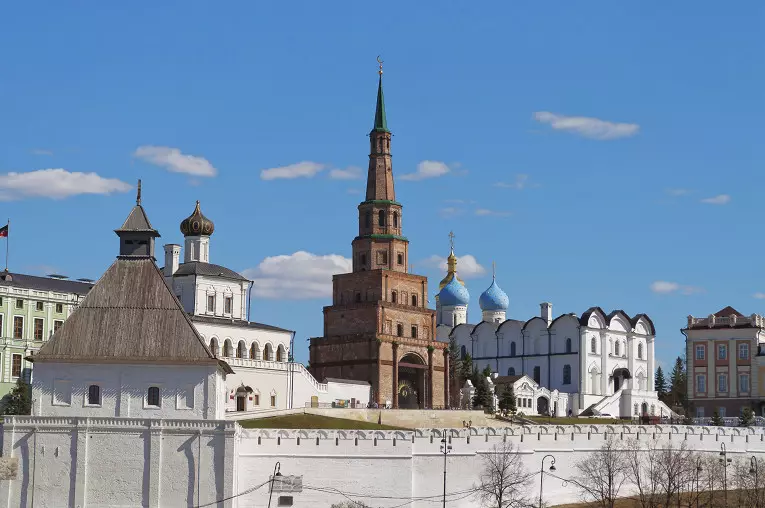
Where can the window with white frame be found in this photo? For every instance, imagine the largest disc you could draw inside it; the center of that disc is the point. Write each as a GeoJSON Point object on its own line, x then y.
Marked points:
{"type": "Point", "coordinates": [228, 304]}
{"type": "Point", "coordinates": [593, 345]}
{"type": "Point", "coordinates": [616, 348]}
{"type": "Point", "coordinates": [722, 352]}
{"type": "Point", "coordinates": [210, 303]}
{"type": "Point", "coordinates": [152, 396]}
{"type": "Point", "coordinates": [701, 352]}
{"type": "Point", "coordinates": [743, 383]}
{"type": "Point", "coordinates": [94, 395]}
{"type": "Point", "coordinates": [743, 351]}
{"type": "Point", "coordinates": [722, 383]}
{"type": "Point", "coordinates": [701, 383]}
{"type": "Point", "coordinates": [640, 351]}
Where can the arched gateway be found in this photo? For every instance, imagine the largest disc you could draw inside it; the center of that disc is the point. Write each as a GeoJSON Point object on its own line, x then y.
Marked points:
{"type": "Point", "coordinates": [412, 382]}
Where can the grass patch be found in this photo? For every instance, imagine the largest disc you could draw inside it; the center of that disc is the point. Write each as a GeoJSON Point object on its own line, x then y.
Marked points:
{"type": "Point", "coordinates": [578, 421]}
{"type": "Point", "coordinates": [308, 421]}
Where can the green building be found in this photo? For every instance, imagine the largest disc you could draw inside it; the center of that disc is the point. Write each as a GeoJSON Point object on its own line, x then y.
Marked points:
{"type": "Point", "coordinates": [31, 309]}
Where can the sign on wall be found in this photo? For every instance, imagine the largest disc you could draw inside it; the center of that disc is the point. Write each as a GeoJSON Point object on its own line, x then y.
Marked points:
{"type": "Point", "coordinates": [287, 483]}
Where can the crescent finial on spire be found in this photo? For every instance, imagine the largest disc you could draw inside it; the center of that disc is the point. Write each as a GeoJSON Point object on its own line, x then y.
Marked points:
{"type": "Point", "coordinates": [380, 62]}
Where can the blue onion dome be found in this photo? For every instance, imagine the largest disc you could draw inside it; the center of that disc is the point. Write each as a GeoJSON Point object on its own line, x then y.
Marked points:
{"type": "Point", "coordinates": [453, 293]}
{"type": "Point", "coordinates": [494, 298]}
{"type": "Point", "coordinates": [197, 224]}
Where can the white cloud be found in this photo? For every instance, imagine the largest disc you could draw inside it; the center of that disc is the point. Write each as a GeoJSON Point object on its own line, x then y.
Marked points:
{"type": "Point", "coordinates": [592, 128]}
{"type": "Point", "coordinates": [427, 169]}
{"type": "Point", "coordinates": [297, 276]}
{"type": "Point", "coordinates": [468, 266]}
{"type": "Point", "coordinates": [354, 192]}
{"type": "Point", "coordinates": [759, 296]}
{"type": "Point", "coordinates": [520, 183]}
{"type": "Point", "coordinates": [56, 184]}
{"type": "Point", "coordinates": [459, 201]}
{"type": "Point", "coordinates": [485, 212]}
{"type": "Point", "coordinates": [720, 199]}
{"type": "Point", "coordinates": [678, 192]}
{"type": "Point", "coordinates": [664, 287]}
{"type": "Point", "coordinates": [174, 161]}
{"type": "Point", "coordinates": [450, 211]}
{"type": "Point", "coordinates": [350, 173]}
{"type": "Point", "coordinates": [40, 151]}
{"type": "Point", "coordinates": [305, 169]}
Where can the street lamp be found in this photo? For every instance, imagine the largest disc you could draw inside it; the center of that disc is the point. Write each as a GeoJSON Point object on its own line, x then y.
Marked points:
{"type": "Point", "coordinates": [277, 472]}
{"type": "Point", "coordinates": [542, 475]}
{"type": "Point", "coordinates": [446, 448]}
{"type": "Point", "coordinates": [698, 473]}
{"type": "Point", "coordinates": [725, 461]}
{"type": "Point", "coordinates": [753, 470]}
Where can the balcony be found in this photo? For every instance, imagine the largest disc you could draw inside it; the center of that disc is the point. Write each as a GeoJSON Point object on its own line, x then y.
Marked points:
{"type": "Point", "coordinates": [755, 321]}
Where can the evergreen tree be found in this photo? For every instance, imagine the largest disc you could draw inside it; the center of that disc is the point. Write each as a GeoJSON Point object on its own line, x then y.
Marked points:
{"type": "Point", "coordinates": [507, 400]}
{"type": "Point", "coordinates": [717, 419]}
{"type": "Point", "coordinates": [660, 384]}
{"type": "Point", "coordinates": [466, 369]}
{"type": "Point", "coordinates": [747, 418]}
{"type": "Point", "coordinates": [677, 390]}
{"type": "Point", "coordinates": [486, 372]}
{"type": "Point", "coordinates": [483, 397]}
{"type": "Point", "coordinates": [454, 371]}
{"type": "Point", "coordinates": [19, 401]}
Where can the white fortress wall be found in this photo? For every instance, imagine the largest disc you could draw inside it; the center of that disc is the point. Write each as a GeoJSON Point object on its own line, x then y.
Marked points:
{"type": "Point", "coordinates": [389, 463]}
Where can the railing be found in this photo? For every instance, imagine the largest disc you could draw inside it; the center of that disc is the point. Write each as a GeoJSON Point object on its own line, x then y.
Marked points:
{"type": "Point", "coordinates": [759, 421]}
{"type": "Point", "coordinates": [374, 405]}
{"type": "Point", "coordinates": [711, 321]}
{"type": "Point", "coordinates": [284, 366]}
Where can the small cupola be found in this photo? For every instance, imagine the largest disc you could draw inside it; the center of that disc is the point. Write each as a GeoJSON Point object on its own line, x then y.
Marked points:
{"type": "Point", "coordinates": [136, 233]}
{"type": "Point", "coordinates": [197, 224]}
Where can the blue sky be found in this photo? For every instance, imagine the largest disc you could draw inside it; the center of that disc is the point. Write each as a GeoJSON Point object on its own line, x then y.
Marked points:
{"type": "Point", "coordinates": [626, 138]}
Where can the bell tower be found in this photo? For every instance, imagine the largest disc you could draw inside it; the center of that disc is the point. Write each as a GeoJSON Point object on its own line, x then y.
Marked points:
{"type": "Point", "coordinates": [380, 244]}
{"type": "Point", "coordinates": [379, 328]}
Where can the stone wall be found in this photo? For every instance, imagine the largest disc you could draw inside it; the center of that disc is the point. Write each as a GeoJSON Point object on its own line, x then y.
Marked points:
{"type": "Point", "coordinates": [118, 462]}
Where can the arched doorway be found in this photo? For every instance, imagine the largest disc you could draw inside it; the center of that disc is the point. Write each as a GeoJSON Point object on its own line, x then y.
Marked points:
{"type": "Point", "coordinates": [620, 375]}
{"type": "Point", "coordinates": [543, 406]}
{"type": "Point", "coordinates": [644, 408]}
{"type": "Point", "coordinates": [412, 385]}
{"type": "Point", "coordinates": [242, 393]}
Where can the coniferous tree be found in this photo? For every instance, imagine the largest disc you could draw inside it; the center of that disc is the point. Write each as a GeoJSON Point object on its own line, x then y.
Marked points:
{"type": "Point", "coordinates": [747, 418]}
{"type": "Point", "coordinates": [19, 401]}
{"type": "Point", "coordinates": [486, 372]}
{"type": "Point", "coordinates": [483, 396]}
{"type": "Point", "coordinates": [717, 419]}
{"type": "Point", "coordinates": [677, 390]}
{"type": "Point", "coordinates": [466, 369]}
{"type": "Point", "coordinates": [454, 371]}
{"type": "Point", "coordinates": [507, 400]}
{"type": "Point", "coordinates": [660, 384]}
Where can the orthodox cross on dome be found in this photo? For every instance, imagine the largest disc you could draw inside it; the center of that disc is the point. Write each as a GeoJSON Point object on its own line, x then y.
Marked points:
{"type": "Point", "coordinates": [138, 193]}
{"type": "Point", "coordinates": [493, 269]}
{"type": "Point", "coordinates": [451, 241]}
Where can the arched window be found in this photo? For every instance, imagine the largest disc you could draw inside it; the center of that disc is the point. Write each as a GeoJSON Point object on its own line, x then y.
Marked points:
{"type": "Point", "coordinates": [414, 300]}
{"type": "Point", "coordinates": [280, 353]}
{"type": "Point", "coordinates": [616, 348]}
{"type": "Point", "coordinates": [394, 296]}
{"type": "Point", "coordinates": [227, 348]}
{"type": "Point", "coordinates": [94, 395]}
{"type": "Point", "coordinates": [152, 396]}
{"type": "Point", "coordinates": [241, 350]}
{"type": "Point", "coordinates": [537, 375]}
{"type": "Point", "coordinates": [268, 353]}
{"type": "Point", "coordinates": [368, 220]}
{"type": "Point", "coordinates": [381, 218]}
{"type": "Point", "coordinates": [568, 345]}
{"type": "Point", "coordinates": [567, 374]}
{"type": "Point", "coordinates": [593, 345]}
{"type": "Point", "coordinates": [254, 351]}
{"type": "Point", "coordinates": [511, 371]}
{"type": "Point", "coordinates": [512, 349]}
{"type": "Point", "coordinates": [395, 219]}
{"type": "Point", "coordinates": [463, 352]}
{"type": "Point", "coordinates": [400, 330]}
{"type": "Point", "coordinates": [640, 351]}
{"type": "Point", "coordinates": [214, 347]}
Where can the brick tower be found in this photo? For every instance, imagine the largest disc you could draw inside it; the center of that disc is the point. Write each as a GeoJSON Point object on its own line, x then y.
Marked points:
{"type": "Point", "coordinates": [378, 328]}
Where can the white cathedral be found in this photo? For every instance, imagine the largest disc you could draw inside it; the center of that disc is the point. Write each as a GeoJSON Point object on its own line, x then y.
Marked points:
{"type": "Point", "coordinates": [593, 364]}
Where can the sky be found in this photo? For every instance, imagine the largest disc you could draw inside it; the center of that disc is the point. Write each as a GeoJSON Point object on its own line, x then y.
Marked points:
{"type": "Point", "coordinates": [601, 153]}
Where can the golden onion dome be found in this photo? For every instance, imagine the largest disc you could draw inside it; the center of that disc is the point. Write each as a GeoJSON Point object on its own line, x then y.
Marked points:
{"type": "Point", "coordinates": [197, 224]}
{"type": "Point", "coordinates": [451, 267]}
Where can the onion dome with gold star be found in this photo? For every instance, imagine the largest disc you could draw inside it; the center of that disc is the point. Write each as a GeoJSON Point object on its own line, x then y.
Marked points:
{"type": "Point", "coordinates": [197, 224]}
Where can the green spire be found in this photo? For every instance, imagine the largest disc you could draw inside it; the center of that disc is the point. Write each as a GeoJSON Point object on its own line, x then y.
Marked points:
{"type": "Point", "coordinates": [381, 124]}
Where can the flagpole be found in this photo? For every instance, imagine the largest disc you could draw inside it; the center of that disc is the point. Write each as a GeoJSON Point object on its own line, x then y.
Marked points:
{"type": "Point", "coordinates": [7, 241]}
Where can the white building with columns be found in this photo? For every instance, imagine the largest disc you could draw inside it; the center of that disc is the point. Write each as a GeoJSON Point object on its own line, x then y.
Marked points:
{"type": "Point", "coordinates": [604, 361]}
{"type": "Point", "coordinates": [216, 299]}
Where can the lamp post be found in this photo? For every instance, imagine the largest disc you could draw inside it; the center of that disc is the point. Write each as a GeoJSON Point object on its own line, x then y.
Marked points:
{"type": "Point", "coordinates": [277, 472]}
{"type": "Point", "coordinates": [446, 448]}
{"type": "Point", "coordinates": [753, 470]}
{"type": "Point", "coordinates": [725, 461]}
{"type": "Point", "coordinates": [542, 475]}
{"type": "Point", "coordinates": [698, 473]}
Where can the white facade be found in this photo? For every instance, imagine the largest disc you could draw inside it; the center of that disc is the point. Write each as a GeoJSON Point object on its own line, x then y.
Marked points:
{"type": "Point", "coordinates": [122, 391]}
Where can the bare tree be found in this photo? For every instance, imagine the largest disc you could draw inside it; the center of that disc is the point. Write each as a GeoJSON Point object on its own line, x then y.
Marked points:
{"type": "Point", "coordinates": [504, 480]}
{"type": "Point", "coordinates": [676, 471]}
{"type": "Point", "coordinates": [749, 480]}
{"type": "Point", "coordinates": [602, 474]}
{"type": "Point", "coordinates": [643, 470]}
{"type": "Point", "coordinates": [711, 480]}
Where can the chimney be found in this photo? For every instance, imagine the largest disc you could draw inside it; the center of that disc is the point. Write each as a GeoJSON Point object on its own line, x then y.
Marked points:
{"type": "Point", "coordinates": [546, 312]}
{"type": "Point", "coordinates": [172, 258]}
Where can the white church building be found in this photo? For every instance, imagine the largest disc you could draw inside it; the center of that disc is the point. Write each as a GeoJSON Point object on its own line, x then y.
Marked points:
{"type": "Point", "coordinates": [217, 299]}
{"type": "Point", "coordinates": [604, 362]}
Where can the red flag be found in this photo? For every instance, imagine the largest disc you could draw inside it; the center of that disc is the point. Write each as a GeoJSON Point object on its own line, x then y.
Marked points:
{"type": "Point", "coordinates": [4, 231]}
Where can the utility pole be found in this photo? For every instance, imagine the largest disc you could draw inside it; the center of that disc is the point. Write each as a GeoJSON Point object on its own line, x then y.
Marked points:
{"type": "Point", "coordinates": [446, 448]}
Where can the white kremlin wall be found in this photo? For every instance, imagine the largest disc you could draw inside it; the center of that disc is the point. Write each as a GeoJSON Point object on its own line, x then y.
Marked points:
{"type": "Point", "coordinates": [89, 462]}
